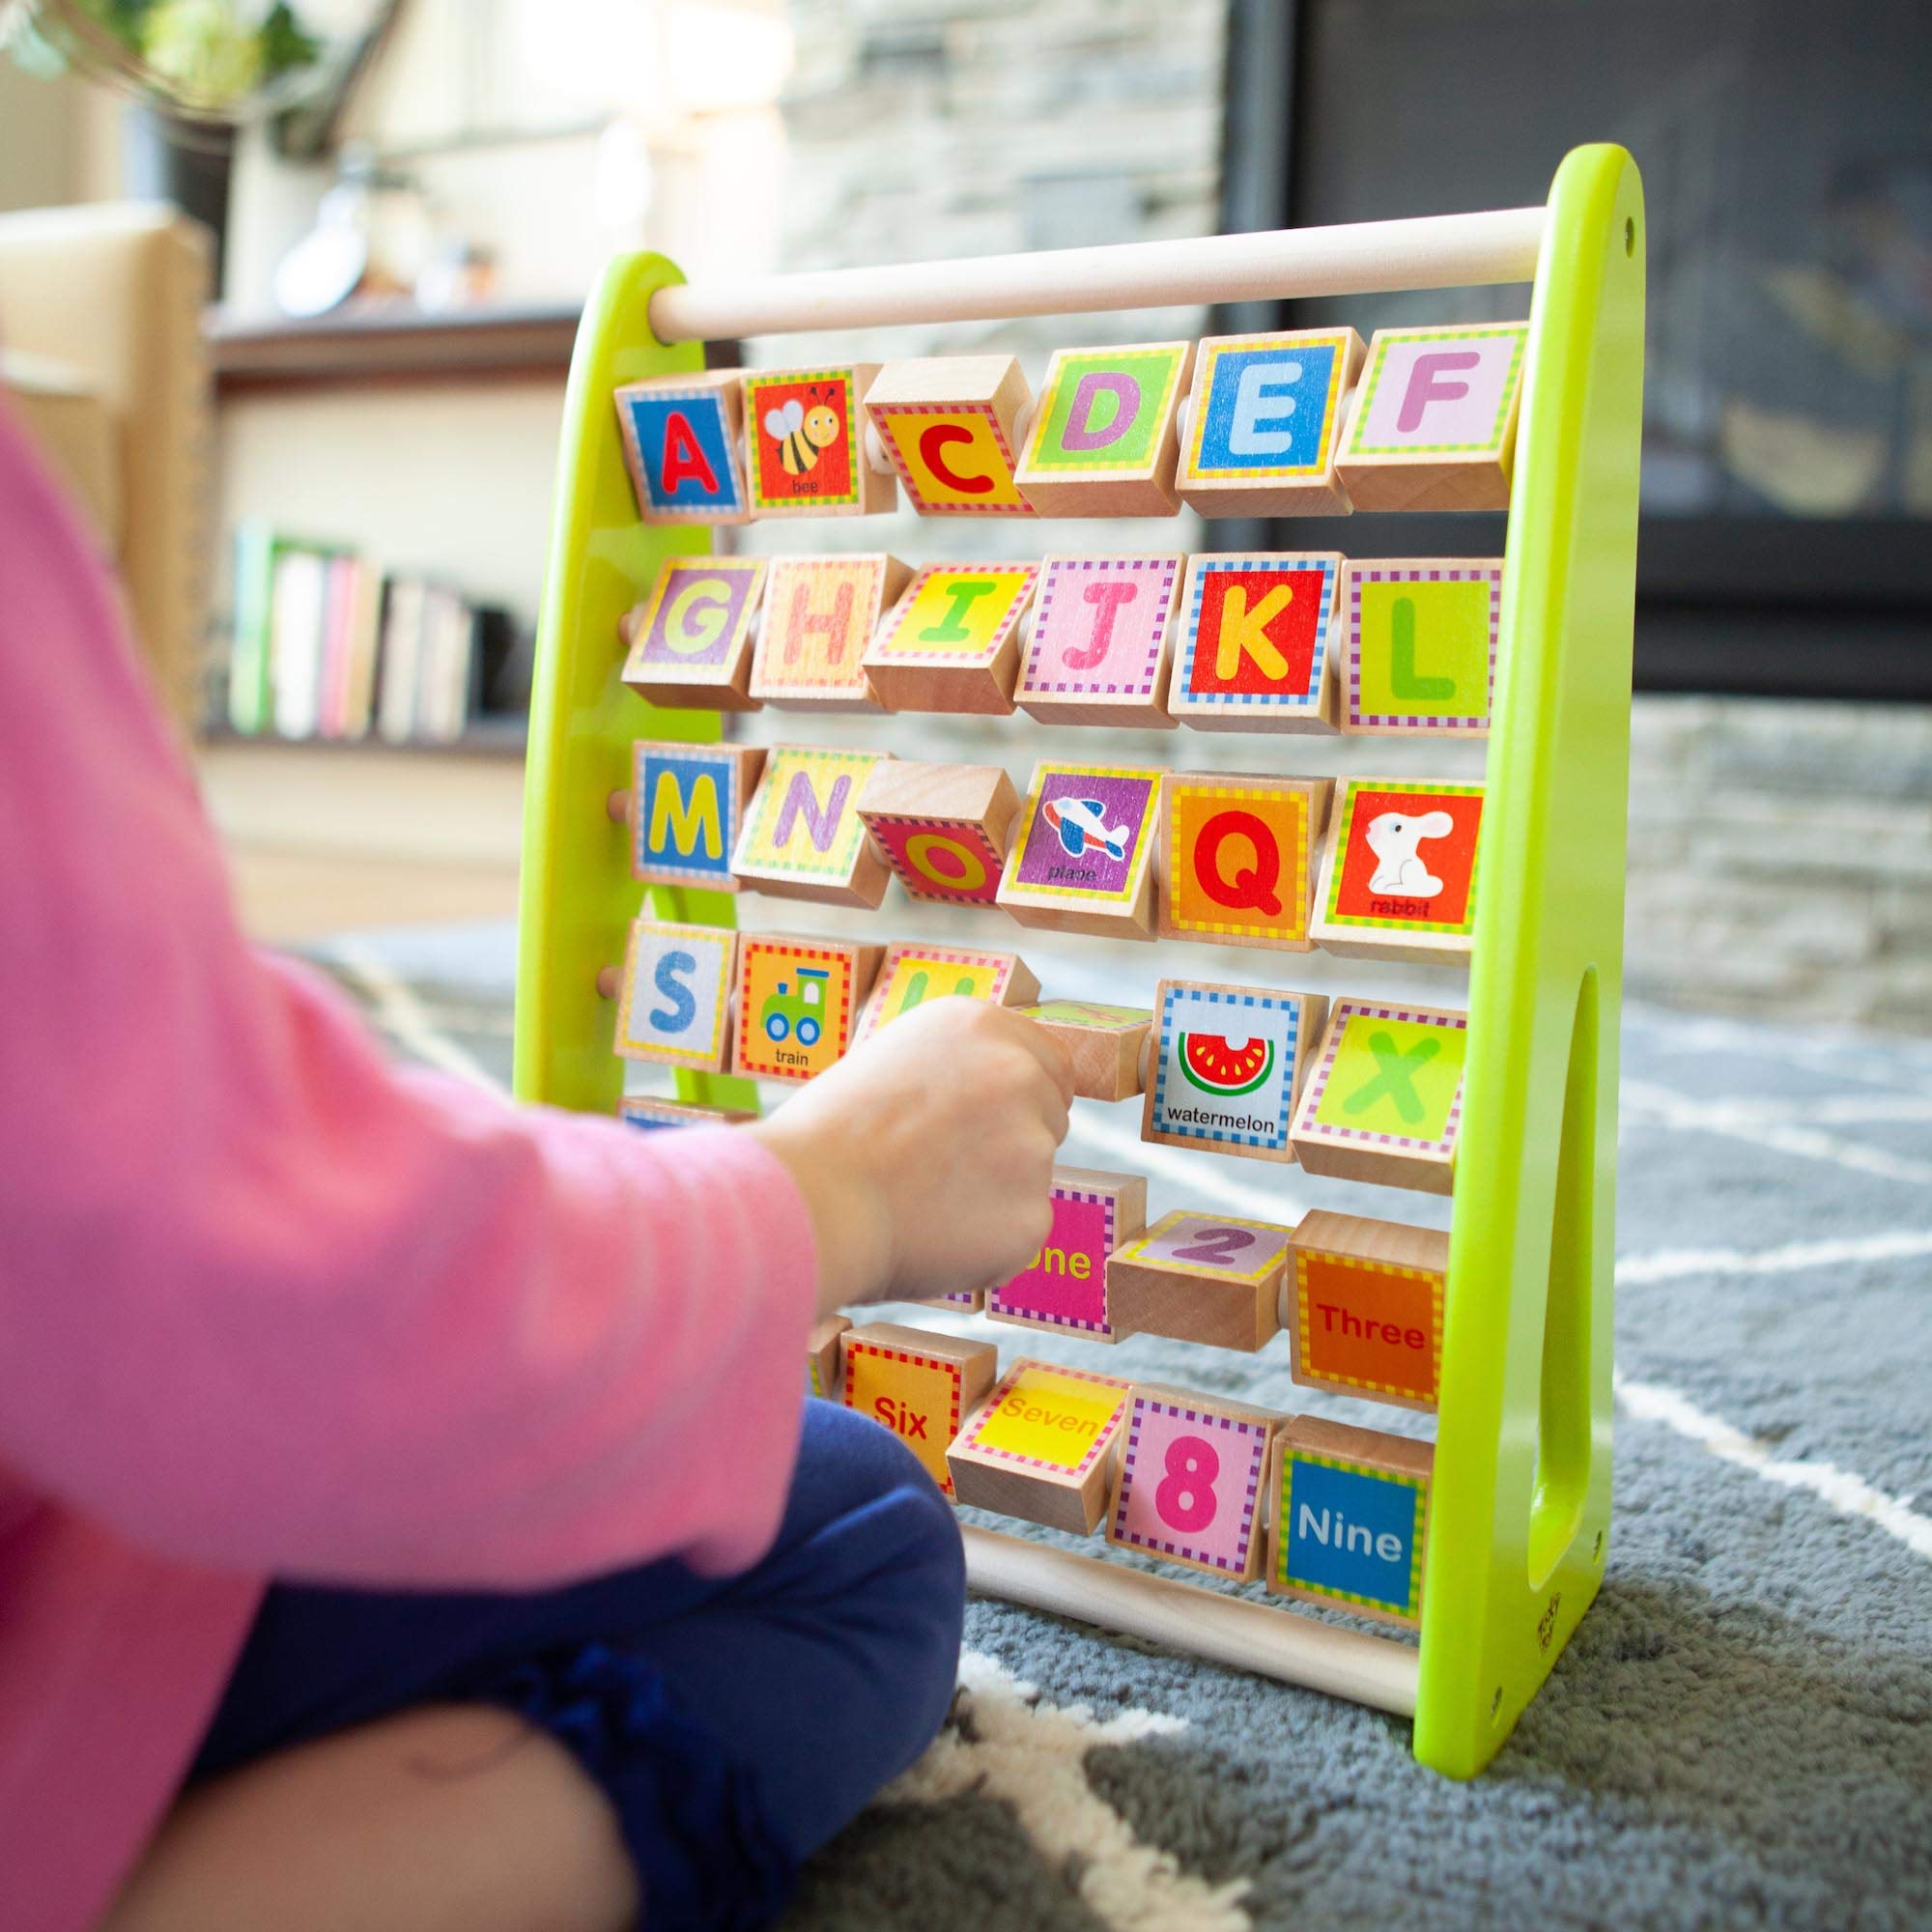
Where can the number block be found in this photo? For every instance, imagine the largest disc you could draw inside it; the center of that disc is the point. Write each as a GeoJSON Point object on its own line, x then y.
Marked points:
{"type": "Point", "coordinates": [1384, 1102]}
{"type": "Point", "coordinates": [942, 829]}
{"type": "Point", "coordinates": [1420, 646]}
{"type": "Point", "coordinates": [820, 613]}
{"type": "Point", "coordinates": [650, 1114]}
{"type": "Point", "coordinates": [1042, 1447]}
{"type": "Point", "coordinates": [674, 995]}
{"type": "Point", "coordinates": [802, 837]}
{"type": "Point", "coordinates": [824, 1356]}
{"type": "Point", "coordinates": [1364, 1308]}
{"type": "Point", "coordinates": [1257, 643]}
{"type": "Point", "coordinates": [946, 424]}
{"type": "Point", "coordinates": [1103, 632]}
{"type": "Point", "coordinates": [1201, 1278]}
{"type": "Point", "coordinates": [953, 640]}
{"type": "Point", "coordinates": [1264, 422]}
{"type": "Point", "coordinates": [1106, 1044]}
{"type": "Point", "coordinates": [1399, 873]}
{"type": "Point", "coordinates": [913, 972]}
{"type": "Point", "coordinates": [1350, 1518]}
{"type": "Point", "coordinates": [1433, 426]}
{"type": "Point", "coordinates": [682, 441]}
{"type": "Point", "coordinates": [808, 444]}
{"type": "Point", "coordinates": [919, 1385]}
{"type": "Point", "coordinates": [1193, 1477]}
{"type": "Point", "coordinates": [1065, 1285]}
{"type": "Point", "coordinates": [798, 1003]}
{"type": "Point", "coordinates": [690, 641]}
{"type": "Point", "coordinates": [1238, 852]}
{"type": "Point", "coordinates": [1102, 439]}
{"type": "Point", "coordinates": [1228, 1064]}
{"type": "Point", "coordinates": [686, 811]}
{"type": "Point", "coordinates": [1083, 861]}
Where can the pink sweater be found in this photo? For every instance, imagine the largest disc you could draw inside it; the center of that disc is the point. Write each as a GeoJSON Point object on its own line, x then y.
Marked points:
{"type": "Point", "coordinates": [269, 1306]}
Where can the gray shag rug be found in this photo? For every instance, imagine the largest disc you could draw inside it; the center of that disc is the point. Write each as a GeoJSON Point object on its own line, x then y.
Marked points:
{"type": "Point", "coordinates": [1740, 1732]}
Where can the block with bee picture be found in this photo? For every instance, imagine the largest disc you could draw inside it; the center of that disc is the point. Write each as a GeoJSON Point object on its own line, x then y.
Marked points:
{"type": "Point", "coordinates": [807, 444]}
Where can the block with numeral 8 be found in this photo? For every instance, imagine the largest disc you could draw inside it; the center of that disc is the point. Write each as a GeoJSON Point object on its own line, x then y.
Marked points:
{"type": "Point", "coordinates": [1193, 1481]}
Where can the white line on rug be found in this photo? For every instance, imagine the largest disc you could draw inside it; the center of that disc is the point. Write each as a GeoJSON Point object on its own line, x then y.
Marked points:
{"type": "Point", "coordinates": [1648, 1105]}
{"type": "Point", "coordinates": [1669, 1264]}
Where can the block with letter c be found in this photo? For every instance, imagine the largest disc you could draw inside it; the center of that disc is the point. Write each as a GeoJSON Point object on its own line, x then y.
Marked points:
{"type": "Point", "coordinates": [947, 424]}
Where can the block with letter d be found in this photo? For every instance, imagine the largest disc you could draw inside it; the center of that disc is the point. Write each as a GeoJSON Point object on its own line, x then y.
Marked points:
{"type": "Point", "coordinates": [1101, 442]}
{"type": "Point", "coordinates": [689, 639]}
{"type": "Point", "coordinates": [674, 995]}
{"type": "Point", "coordinates": [683, 443]}
{"type": "Point", "coordinates": [687, 808]}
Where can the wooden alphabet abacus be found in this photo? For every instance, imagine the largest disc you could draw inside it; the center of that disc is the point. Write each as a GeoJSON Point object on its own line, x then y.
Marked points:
{"type": "Point", "coordinates": [1490, 1542]}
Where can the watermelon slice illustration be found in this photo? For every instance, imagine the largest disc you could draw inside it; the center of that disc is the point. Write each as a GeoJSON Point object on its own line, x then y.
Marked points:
{"type": "Point", "coordinates": [1217, 1064]}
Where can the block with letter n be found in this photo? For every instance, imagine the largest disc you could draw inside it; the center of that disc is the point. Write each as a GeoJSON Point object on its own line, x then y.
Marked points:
{"type": "Point", "coordinates": [687, 808]}
{"type": "Point", "coordinates": [1256, 642]}
{"type": "Point", "coordinates": [689, 642]}
{"type": "Point", "coordinates": [802, 837]}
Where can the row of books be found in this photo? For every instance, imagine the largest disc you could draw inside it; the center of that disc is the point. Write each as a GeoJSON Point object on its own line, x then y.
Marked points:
{"type": "Point", "coordinates": [325, 646]}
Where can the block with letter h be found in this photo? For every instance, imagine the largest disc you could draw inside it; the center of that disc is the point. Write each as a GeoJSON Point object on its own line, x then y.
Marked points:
{"type": "Point", "coordinates": [683, 438]}
{"type": "Point", "coordinates": [820, 613]}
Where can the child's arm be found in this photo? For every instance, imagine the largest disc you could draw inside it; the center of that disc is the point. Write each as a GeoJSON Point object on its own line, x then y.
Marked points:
{"type": "Point", "coordinates": [267, 1303]}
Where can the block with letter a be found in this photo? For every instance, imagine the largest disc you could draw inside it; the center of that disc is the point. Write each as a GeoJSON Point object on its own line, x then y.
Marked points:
{"type": "Point", "coordinates": [1237, 857]}
{"type": "Point", "coordinates": [802, 835]}
{"type": "Point", "coordinates": [948, 425]}
{"type": "Point", "coordinates": [686, 809]}
{"type": "Point", "coordinates": [674, 995]}
{"type": "Point", "coordinates": [1101, 442]}
{"type": "Point", "coordinates": [689, 642]}
{"type": "Point", "coordinates": [820, 613]}
{"type": "Point", "coordinates": [1256, 642]}
{"type": "Point", "coordinates": [683, 438]}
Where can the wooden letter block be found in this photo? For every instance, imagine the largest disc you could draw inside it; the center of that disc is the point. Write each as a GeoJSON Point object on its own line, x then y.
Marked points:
{"type": "Point", "coordinates": [803, 837]}
{"type": "Point", "coordinates": [1201, 1278]}
{"type": "Point", "coordinates": [946, 423]}
{"type": "Point", "coordinates": [1364, 1308]}
{"type": "Point", "coordinates": [1042, 1447]}
{"type": "Point", "coordinates": [1237, 857]}
{"type": "Point", "coordinates": [1258, 642]}
{"type": "Point", "coordinates": [1420, 646]}
{"type": "Point", "coordinates": [808, 437]}
{"type": "Point", "coordinates": [1084, 858]}
{"type": "Point", "coordinates": [1350, 1518]}
{"type": "Point", "coordinates": [674, 999]}
{"type": "Point", "coordinates": [1385, 1100]}
{"type": "Point", "coordinates": [1102, 631]}
{"type": "Point", "coordinates": [952, 641]}
{"type": "Point", "coordinates": [820, 613]}
{"type": "Point", "coordinates": [650, 1114]}
{"type": "Point", "coordinates": [798, 1003]}
{"type": "Point", "coordinates": [690, 641]}
{"type": "Point", "coordinates": [824, 1355]}
{"type": "Point", "coordinates": [1104, 1043]}
{"type": "Point", "coordinates": [942, 829]}
{"type": "Point", "coordinates": [1065, 1286]}
{"type": "Point", "coordinates": [1193, 1477]}
{"type": "Point", "coordinates": [1102, 441]}
{"type": "Point", "coordinates": [682, 438]}
{"type": "Point", "coordinates": [1264, 422]}
{"type": "Point", "coordinates": [688, 807]}
{"type": "Point", "coordinates": [919, 1385]}
{"type": "Point", "coordinates": [1228, 1064]}
{"type": "Point", "coordinates": [1433, 426]}
{"type": "Point", "coordinates": [913, 972]}
{"type": "Point", "coordinates": [1399, 873]}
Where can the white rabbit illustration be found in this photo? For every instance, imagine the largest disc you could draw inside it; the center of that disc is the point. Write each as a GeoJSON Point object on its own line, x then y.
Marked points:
{"type": "Point", "coordinates": [1400, 870]}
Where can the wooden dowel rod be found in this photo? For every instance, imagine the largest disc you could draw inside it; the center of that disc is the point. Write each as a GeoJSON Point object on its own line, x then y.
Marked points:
{"type": "Point", "coordinates": [1373, 1670]}
{"type": "Point", "coordinates": [1438, 251]}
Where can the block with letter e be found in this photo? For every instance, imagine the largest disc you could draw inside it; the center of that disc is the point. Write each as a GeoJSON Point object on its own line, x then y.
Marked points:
{"type": "Point", "coordinates": [1419, 642]}
{"type": "Point", "coordinates": [1256, 642]}
{"type": "Point", "coordinates": [688, 643]}
{"type": "Point", "coordinates": [914, 972]}
{"type": "Point", "coordinates": [674, 995]}
{"type": "Point", "coordinates": [1363, 1308]}
{"type": "Point", "coordinates": [820, 613]}
{"type": "Point", "coordinates": [942, 829]}
{"type": "Point", "coordinates": [686, 809]}
{"type": "Point", "coordinates": [1433, 426]}
{"type": "Point", "coordinates": [1193, 1481]}
{"type": "Point", "coordinates": [1065, 1285]}
{"type": "Point", "coordinates": [1237, 857]}
{"type": "Point", "coordinates": [919, 1385]}
{"type": "Point", "coordinates": [807, 441]}
{"type": "Point", "coordinates": [1399, 869]}
{"type": "Point", "coordinates": [1101, 442]}
{"type": "Point", "coordinates": [683, 441]}
{"type": "Point", "coordinates": [798, 1003]}
{"type": "Point", "coordinates": [953, 640]}
{"type": "Point", "coordinates": [1083, 861]}
{"type": "Point", "coordinates": [1350, 1518]}
{"type": "Point", "coordinates": [1264, 422]}
{"type": "Point", "coordinates": [1042, 1447]}
{"type": "Point", "coordinates": [1201, 1278]}
{"type": "Point", "coordinates": [948, 425]}
{"type": "Point", "coordinates": [802, 837]}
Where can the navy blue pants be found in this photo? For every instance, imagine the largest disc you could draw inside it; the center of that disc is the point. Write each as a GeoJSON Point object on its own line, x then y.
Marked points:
{"type": "Point", "coordinates": [735, 1724]}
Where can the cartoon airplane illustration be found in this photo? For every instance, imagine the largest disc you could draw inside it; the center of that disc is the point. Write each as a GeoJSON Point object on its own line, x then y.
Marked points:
{"type": "Point", "coordinates": [1082, 826]}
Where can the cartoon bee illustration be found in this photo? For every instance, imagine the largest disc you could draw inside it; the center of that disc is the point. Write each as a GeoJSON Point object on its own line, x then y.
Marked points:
{"type": "Point", "coordinates": [802, 432]}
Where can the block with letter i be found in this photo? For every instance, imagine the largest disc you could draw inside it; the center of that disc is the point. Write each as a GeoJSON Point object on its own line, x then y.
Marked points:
{"type": "Point", "coordinates": [1101, 442]}
{"type": "Point", "coordinates": [1193, 1484]}
{"type": "Point", "coordinates": [1237, 857]}
{"type": "Point", "coordinates": [688, 643]}
{"type": "Point", "coordinates": [1384, 1102]}
{"type": "Point", "coordinates": [820, 613]}
{"type": "Point", "coordinates": [1065, 1285]}
{"type": "Point", "coordinates": [683, 443]}
{"type": "Point", "coordinates": [808, 444]}
{"type": "Point", "coordinates": [674, 995]}
{"type": "Point", "coordinates": [1363, 1308]}
{"type": "Point", "coordinates": [942, 829]}
{"type": "Point", "coordinates": [1201, 1278]}
{"type": "Point", "coordinates": [1042, 1447]}
{"type": "Point", "coordinates": [802, 837]}
{"type": "Point", "coordinates": [1399, 871]}
{"type": "Point", "coordinates": [1082, 859]}
{"type": "Point", "coordinates": [1256, 642]}
{"type": "Point", "coordinates": [1106, 1045]}
{"type": "Point", "coordinates": [953, 640]}
{"type": "Point", "coordinates": [919, 1385]}
{"type": "Point", "coordinates": [1433, 426]}
{"type": "Point", "coordinates": [824, 1356]}
{"type": "Point", "coordinates": [1101, 636]}
{"type": "Point", "coordinates": [1418, 654]}
{"type": "Point", "coordinates": [914, 972]}
{"type": "Point", "coordinates": [1264, 422]}
{"type": "Point", "coordinates": [946, 424]}
{"type": "Point", "coordinates": [798, 1003]}
{"type": "Point", "coordinates": [1350, 1518]}
{"type": "Point", "coordinates": [686, 809]}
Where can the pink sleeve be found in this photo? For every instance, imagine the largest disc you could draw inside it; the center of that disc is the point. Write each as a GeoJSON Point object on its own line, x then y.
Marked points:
{"type": "Point", "coordinates": [268, 1303]}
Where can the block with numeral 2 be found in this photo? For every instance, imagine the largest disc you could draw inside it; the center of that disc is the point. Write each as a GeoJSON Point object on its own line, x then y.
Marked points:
{"type": "Point", "coordinates": [1193, 1481]}
{"type": "Point", "coordinates": [1200, 1278]}
{"type": "Point", "coordinates": [1065, 1285]}
{"type": "Point", "coordinates": [1042, 1447]}
{"type": "Point", "coordinates": [919, 1385]}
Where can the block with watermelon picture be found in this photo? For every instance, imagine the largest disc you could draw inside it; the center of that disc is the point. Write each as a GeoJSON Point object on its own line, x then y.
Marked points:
{"type": "Point", "coordinates": [1228, 1067]}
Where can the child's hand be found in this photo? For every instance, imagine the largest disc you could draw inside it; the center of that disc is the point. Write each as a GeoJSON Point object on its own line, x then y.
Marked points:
{"type": "Point", "coordinates": [925, 1156]}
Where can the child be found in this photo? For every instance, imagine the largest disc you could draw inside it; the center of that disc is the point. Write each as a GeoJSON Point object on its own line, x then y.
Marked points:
{"type": "Point", "coordinates": [573, 1626]}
